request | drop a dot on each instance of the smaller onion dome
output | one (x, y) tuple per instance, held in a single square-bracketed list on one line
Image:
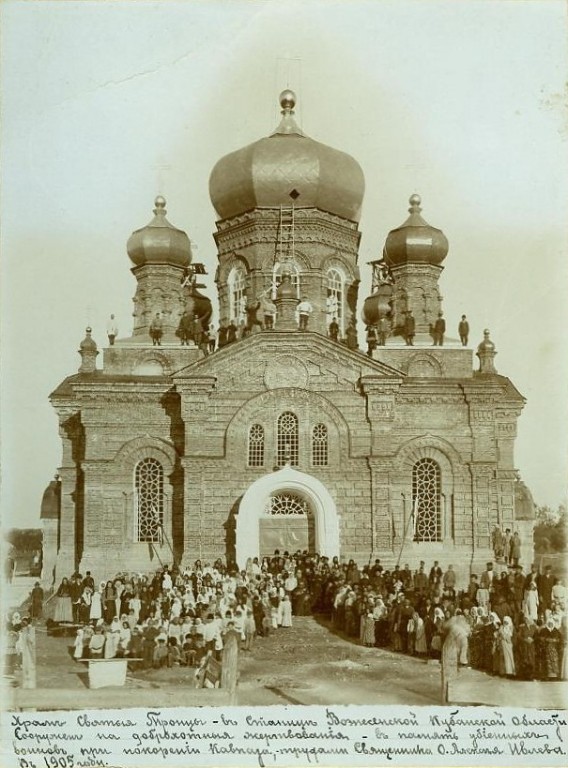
[(415, 241), (486, 345), (159, 242), (486, 353), (88, 350), (88, 344)]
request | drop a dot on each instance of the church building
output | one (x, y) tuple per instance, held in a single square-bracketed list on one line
[(288, 437)]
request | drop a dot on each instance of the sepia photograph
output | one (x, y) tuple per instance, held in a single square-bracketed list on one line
[(283, 396)]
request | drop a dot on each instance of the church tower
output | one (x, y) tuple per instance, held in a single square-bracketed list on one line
[(414, 252), (161, 254), (288, 203)]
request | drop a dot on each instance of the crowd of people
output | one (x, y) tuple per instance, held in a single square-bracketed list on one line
[(512, 623)]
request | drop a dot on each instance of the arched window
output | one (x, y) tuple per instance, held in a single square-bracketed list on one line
[(319, 446), (237, 285), (334, 300), (149, 500), (426, 500), (256, 446), (277, 277), (287, 441)]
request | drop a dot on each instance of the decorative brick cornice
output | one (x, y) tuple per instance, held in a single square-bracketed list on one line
[(194, 385), (121, 392)]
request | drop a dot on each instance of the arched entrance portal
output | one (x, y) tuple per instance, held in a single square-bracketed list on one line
[(287, 525), (289, 510)]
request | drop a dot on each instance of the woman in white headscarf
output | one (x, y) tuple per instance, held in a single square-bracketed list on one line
[(504, 648)]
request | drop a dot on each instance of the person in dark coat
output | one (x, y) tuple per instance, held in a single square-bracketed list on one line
[(515, 549), (156, 330), (185, 329), (544, 584), (463, 330), (36, 609), (351, 337), (409, 329), (525, 649), (222, 336), (439, 330), (109, 604), (88, 581), (333, 330), (231, 333)]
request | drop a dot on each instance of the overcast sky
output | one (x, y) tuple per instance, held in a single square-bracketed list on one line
[(105, 105)]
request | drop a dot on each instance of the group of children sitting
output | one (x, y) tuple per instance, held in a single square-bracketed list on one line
[(161, 642)]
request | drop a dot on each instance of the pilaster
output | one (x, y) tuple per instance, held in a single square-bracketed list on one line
[(381, 519)]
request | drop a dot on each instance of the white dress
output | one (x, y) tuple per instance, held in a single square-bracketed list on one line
[(286, 608), (96, 611), (530, 605)]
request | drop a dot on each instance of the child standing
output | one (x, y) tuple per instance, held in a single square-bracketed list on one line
[(174, 655), (160, 658), (249, 630)]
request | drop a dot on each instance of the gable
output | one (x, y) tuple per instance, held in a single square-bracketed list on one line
[(272, 360)]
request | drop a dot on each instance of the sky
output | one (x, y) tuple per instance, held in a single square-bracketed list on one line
[(106, 105)]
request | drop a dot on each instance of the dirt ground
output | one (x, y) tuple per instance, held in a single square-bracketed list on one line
[(305, 664)]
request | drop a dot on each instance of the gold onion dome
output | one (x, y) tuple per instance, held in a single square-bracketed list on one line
[(415, 241), (284, 167), (159, 242)]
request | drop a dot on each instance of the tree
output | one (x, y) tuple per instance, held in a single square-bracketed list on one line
[(25, 539), (550, 531)]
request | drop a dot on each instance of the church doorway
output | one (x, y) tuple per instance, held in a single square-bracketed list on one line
[(286, 510), (287, 525)]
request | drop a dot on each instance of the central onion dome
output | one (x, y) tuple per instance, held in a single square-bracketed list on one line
[(415, 241), (284, 167), (159, 242)]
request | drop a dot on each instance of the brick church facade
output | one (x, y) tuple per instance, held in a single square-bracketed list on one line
[(284, 439)]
